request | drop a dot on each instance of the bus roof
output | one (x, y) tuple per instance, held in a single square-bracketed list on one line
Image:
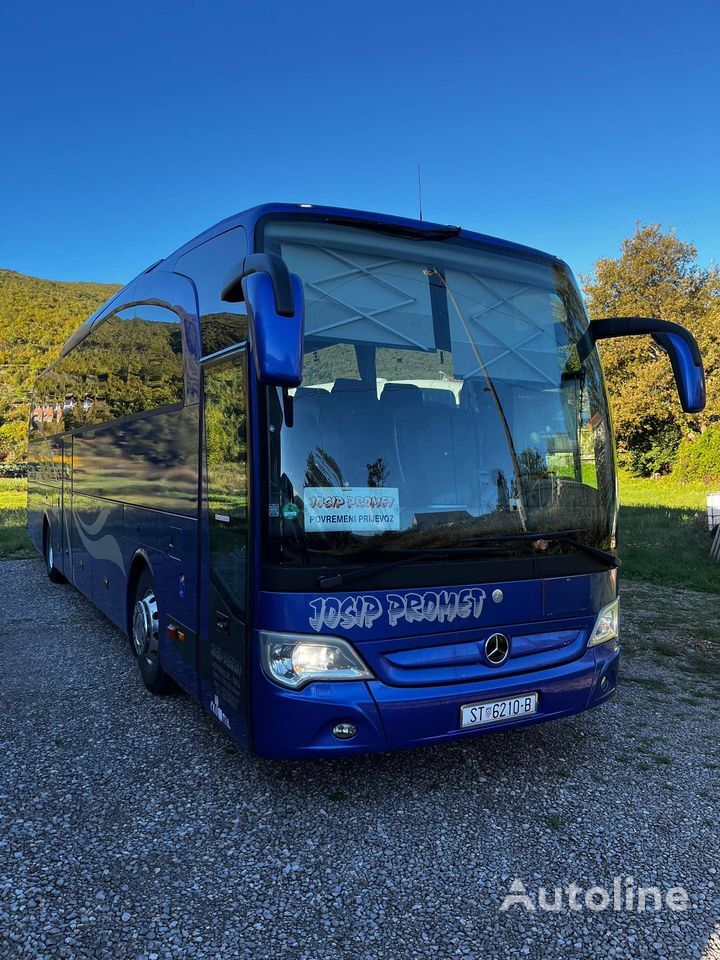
[(249, 219)]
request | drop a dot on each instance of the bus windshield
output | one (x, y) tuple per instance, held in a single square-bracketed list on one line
[(443, 399)]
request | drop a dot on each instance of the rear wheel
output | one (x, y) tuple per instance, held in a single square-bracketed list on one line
[(52, 571), (145, 636)]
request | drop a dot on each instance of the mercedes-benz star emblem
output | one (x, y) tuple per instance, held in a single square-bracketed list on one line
[(497, 648)]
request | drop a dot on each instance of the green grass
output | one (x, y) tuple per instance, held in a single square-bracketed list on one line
[(14, 540), (661, 491), (662, 533)]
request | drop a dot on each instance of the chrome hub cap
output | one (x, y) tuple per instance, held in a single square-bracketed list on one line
[(145, 627)]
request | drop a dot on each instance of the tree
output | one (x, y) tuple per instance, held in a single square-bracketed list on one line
[(656, 275)]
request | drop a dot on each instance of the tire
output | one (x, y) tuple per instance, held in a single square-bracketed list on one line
[(145, 635), (52, 571)]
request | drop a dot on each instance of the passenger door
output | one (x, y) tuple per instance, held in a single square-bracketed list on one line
[(222, 656)]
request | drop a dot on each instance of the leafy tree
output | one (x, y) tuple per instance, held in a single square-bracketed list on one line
[(699, 459), (657, 275)]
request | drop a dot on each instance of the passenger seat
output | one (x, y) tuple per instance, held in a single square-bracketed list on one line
[(435, 451)]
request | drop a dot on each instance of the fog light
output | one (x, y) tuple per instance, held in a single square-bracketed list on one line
[(604, 683), (344, 731)]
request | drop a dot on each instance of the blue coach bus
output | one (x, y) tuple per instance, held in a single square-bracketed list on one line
[(348, 479)]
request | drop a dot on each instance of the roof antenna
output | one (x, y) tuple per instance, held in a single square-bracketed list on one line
[(420, 191)]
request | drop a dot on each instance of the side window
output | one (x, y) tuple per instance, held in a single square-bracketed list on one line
[(152, 357), (100, 373), (131, 362), (221, 324)]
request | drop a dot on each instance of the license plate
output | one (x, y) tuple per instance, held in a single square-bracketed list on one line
[(495, 711)]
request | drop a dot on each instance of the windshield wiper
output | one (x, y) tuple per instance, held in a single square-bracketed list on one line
[(566, 537)]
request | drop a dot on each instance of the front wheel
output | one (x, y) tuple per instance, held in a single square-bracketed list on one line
[(145, 637)]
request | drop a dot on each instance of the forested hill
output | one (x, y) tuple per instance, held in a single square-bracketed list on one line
[(36, 316)]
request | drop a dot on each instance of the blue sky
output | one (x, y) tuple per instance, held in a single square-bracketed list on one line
[(128, 128)]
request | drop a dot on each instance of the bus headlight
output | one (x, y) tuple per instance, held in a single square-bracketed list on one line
[(606, 625), (294, 659)]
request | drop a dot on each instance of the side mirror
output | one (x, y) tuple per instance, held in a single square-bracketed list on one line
[(275, 305), (678, 343)]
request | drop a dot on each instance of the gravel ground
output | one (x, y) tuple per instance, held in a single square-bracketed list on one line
[(131, 827)]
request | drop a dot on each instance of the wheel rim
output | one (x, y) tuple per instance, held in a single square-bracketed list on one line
[(145, 627), (50, 557)]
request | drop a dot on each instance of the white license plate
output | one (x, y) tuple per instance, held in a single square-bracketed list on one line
[(495, 711)]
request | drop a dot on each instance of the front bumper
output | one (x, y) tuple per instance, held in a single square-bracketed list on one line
[(290, 724)]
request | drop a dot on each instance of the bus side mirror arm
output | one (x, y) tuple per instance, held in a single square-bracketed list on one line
[(276, 316), (676, 340)]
